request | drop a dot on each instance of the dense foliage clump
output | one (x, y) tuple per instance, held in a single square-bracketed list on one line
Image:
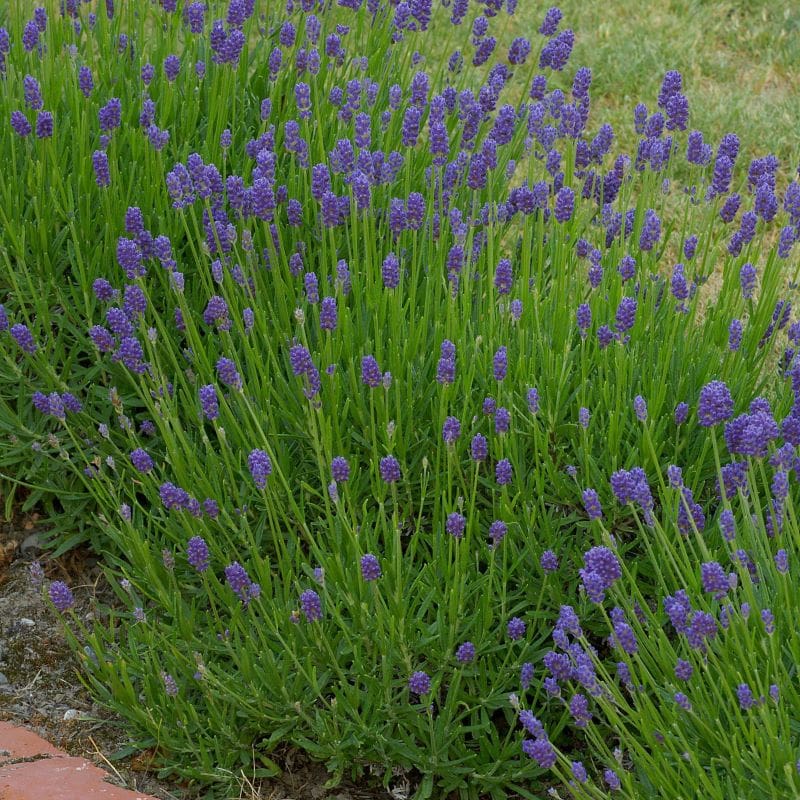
[(420, 428)]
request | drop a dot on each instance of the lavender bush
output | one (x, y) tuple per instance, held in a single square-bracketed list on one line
[(421, 428)]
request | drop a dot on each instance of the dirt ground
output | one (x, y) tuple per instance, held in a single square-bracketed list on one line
[(40, 687)]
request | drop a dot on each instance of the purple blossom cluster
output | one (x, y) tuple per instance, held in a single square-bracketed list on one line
[(239, 581), (631, 486), (601, 570), (56, 405)]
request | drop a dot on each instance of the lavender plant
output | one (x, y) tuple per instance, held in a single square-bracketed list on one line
[(368, 370)]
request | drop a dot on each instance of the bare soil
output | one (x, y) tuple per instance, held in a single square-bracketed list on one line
[(40, 687)]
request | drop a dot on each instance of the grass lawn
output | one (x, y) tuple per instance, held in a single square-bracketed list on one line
[(740, 62)]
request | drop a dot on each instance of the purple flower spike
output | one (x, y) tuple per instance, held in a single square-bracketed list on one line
[(503, 472), (584, 319), (61, 596), (260, 466), (626, 314), (197, 553), (102, 176), (548, 561), (745, 696), (541, 751), (479, 448), (390, 469), (209, 402), (370, 372), (603, 562), (551, 20), (33, 93), (419, 683), (564, 204), (455, 525), (683, 670), (370, 567), (110, 115), (311, 605), (20, 124), (328, 315), (503, 276), (226, 369), (515, 629), (451, 430), (612, 780), (715, 405), (497, 532), (340, 469), (44, 125), (500, 363), (141, 460), (23, 337), (390, 271), (591, 503), (714, 579), (651, 231), (627, 268), (465, 653)]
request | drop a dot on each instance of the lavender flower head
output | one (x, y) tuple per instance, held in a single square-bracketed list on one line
[(455, 524), (715, 405), (551, 21), (564, 204), (500, 363), (20, 124), (370, 567), (626, 314), (714, 579), (651, 230), (603, 562), (515, 629), (61, 596), (541, 751), (141, 460), (370, 372), (209, 402), (497, 532), (197, 553), (23, 337), (584, 318), (451, 430), (311, 605), (503, 472), (479, 448), (591, 503), (465, 654), (260, 466), (419, 683), (548, 561), (228, 374), (340, 469), (390, 469)]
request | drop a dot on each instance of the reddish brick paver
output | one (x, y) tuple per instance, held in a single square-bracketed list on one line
[(32, 769), (16, 743)]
